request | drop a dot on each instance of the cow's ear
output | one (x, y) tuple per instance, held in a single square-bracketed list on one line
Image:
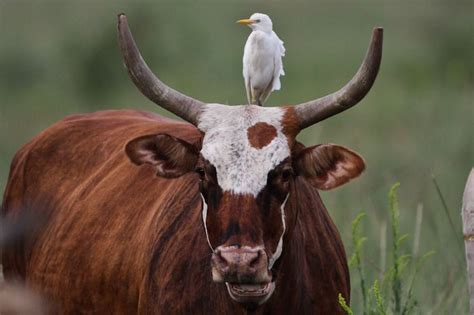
[(328, 166), (170, 156)]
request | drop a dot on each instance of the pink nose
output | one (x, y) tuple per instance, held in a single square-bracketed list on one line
[(243, 264)]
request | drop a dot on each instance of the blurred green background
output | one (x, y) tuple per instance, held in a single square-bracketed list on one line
[(60, 57)]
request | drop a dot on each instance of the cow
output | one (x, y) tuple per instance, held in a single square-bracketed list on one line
[(216, 215)]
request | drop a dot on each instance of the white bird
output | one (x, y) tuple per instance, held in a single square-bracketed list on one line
[(262, 64)]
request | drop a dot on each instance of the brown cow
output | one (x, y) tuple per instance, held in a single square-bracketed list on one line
[(233, 222)]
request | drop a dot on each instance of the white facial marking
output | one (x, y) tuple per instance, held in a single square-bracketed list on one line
[(204, 218), (279, 249), (241, 168)]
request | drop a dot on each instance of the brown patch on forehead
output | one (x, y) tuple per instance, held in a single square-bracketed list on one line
[(261, 134)]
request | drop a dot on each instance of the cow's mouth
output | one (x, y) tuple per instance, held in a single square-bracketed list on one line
[(255, 293)]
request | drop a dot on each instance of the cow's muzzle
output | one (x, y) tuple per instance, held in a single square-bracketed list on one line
[(245, 272)]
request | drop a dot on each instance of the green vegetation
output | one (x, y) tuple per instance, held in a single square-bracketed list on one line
[(60, 57), (395, 296), (344, 305)]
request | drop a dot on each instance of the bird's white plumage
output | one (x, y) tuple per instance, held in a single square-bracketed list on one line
[(262, 61)]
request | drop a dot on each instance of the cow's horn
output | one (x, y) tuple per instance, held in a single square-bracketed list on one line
[(183, 106), (314, 111)]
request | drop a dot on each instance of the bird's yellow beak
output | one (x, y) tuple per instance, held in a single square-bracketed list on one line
[(245, 21)]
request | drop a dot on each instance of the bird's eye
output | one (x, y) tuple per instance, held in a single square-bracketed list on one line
[(258, 20), (200, 171), (286, 174)]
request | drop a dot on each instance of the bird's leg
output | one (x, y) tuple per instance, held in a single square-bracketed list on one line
[(254, 96), (259, 102)]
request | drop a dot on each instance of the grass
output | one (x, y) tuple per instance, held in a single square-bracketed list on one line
[(395, 295)]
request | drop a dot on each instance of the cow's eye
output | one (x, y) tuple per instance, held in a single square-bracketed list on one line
[(200, 171), (286, 174)]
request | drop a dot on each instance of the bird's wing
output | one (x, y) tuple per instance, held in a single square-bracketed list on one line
[(266, 92), (277, 62), (282, 47)]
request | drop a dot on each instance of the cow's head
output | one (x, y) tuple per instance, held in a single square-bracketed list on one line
[(247, 165)]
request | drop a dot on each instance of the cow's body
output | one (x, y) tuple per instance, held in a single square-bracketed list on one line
[(120, 240)]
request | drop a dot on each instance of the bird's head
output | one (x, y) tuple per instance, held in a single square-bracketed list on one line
[(258, 22)]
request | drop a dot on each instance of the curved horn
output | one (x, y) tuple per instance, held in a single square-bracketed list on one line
[(183, 106), (314, 111)]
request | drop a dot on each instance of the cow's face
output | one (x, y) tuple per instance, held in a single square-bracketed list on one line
[(246, 166)]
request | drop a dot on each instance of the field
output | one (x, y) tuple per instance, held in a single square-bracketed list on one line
[(61, 57)]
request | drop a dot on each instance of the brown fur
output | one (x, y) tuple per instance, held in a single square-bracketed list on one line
[(291, 124), (261, 134), (120, 240)]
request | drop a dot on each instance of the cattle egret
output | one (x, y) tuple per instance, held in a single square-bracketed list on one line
[(262, 59)]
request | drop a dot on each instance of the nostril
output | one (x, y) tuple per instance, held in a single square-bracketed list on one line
[(255, 260), (219, 259)]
